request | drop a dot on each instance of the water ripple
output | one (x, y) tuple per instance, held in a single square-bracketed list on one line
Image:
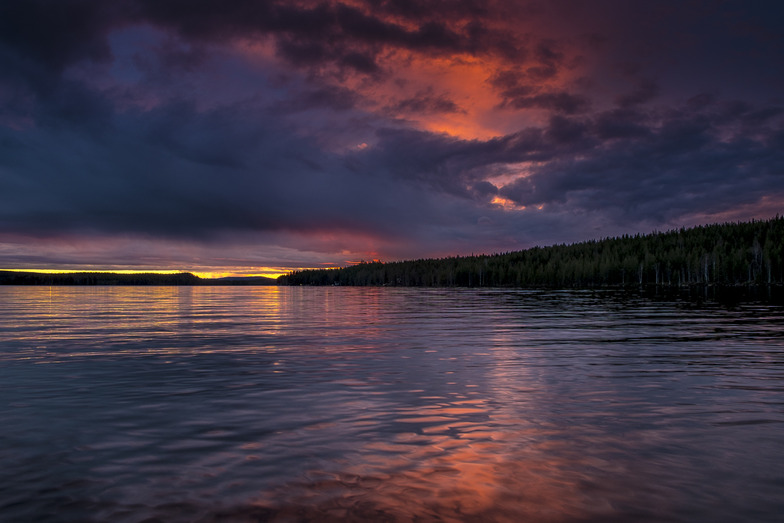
[(336, 404)]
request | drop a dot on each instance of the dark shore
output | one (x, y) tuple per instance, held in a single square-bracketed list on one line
[(109, 278)]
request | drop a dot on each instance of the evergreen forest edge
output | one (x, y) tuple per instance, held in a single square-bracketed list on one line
[(728, 254)]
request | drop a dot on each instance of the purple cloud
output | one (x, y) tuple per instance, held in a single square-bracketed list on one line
[(334, 129)]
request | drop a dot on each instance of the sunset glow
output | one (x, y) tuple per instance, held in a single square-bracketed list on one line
[(505, 203), (266, 272)]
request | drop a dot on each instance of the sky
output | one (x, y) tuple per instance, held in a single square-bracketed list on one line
[(255, 137)]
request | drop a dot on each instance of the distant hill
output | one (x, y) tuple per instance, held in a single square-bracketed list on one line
[(729, 254), (239, 280), (106, 278)]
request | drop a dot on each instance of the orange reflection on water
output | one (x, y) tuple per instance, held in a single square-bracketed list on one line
[(450, 470), (115, 320)]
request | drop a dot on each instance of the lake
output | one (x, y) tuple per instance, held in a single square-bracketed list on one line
[(207, 404)]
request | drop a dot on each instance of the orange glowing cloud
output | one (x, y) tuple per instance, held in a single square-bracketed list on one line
[(506, 203), (472, 93)]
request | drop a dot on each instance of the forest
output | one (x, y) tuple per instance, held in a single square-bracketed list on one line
[(728, 254)]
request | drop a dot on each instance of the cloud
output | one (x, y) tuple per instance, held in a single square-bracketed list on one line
[(57, 34), (394, 127), (527, 90), (426, 102), (345, 35), (325, 97), (660, 171), (645, 91)]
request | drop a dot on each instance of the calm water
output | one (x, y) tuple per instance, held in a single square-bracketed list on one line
[(329, 404)]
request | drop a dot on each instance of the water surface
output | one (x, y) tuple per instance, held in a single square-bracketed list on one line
[(331, 404)]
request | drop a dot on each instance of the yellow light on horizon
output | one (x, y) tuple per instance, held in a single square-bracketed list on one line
[(243, 272)]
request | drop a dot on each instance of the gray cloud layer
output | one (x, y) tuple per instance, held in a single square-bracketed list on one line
[(135, 118)]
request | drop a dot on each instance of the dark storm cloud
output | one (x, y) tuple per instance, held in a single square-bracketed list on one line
[(633, 167), (621, 123), (426, 102), (183, 138), (173, 57), (39, 40), (645, 91), (524, 90), (329, 97), (56, 34), (175, 171), (417, 10), (318, 33), (667, 166), (558, 101)]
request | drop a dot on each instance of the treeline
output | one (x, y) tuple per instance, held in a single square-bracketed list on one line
[(747, 253), (96, 278), (105, 278)]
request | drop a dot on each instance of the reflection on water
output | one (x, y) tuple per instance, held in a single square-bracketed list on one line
[(333, 404)]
